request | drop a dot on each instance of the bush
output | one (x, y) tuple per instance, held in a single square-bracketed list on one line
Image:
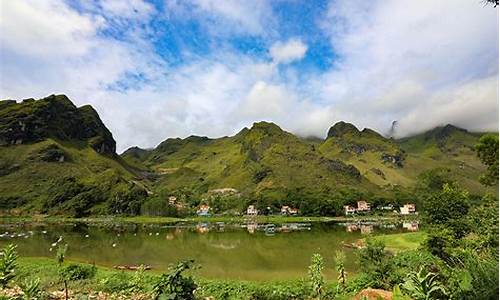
[(78, 272), (175, 285)]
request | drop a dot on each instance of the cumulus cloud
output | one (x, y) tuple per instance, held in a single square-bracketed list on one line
[(420, 62), (287, 52), (402, 60)]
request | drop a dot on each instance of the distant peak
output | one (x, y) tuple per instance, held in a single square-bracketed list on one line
[(265, 124), (341, 128)]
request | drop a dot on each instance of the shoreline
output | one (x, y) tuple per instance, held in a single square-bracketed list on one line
[(226, 219)]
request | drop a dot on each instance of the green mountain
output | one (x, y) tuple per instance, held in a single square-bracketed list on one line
[(59, 158), (56, 157)]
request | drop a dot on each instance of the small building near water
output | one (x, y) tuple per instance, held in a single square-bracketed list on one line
[(349, 210), (407, 209), (252, 210), (363, 206), (287, 210), (203, 210)]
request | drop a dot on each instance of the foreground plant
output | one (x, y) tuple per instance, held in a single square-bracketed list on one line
[(316, 276), (423, 285), (31, 289), (342, 277), (8, 264), (174, 285)]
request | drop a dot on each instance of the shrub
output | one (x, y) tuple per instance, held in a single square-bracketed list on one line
[(78, 272), (175, 285)]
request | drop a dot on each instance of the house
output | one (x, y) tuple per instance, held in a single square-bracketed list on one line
[(363, 206), (407, 209), (410, 226), (252, 210), (172, 200), (284, 210), (203, 210), (349, 210), (287, 210)]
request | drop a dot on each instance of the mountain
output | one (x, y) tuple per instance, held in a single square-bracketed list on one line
[(56, 157), (59, 158)]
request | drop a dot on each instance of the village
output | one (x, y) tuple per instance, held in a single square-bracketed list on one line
[(361, 207)]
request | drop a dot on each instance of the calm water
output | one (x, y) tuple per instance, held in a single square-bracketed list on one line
[(245, 251)]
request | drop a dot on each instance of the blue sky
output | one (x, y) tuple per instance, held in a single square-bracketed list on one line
[(163, 68)]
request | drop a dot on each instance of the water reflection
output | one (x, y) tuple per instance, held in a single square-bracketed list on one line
[(249, 251)]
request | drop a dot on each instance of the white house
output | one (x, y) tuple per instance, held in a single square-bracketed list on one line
[(407, 209), (349, 210), (252, 210)]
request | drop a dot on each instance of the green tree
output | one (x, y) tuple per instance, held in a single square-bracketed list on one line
[(487, 151), (448, 207)]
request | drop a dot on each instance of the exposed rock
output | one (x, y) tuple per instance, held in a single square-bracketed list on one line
[(378, 172), (396, 159), (335, 165), (373, 294)]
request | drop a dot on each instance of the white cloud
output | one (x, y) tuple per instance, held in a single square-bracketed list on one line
[(289, 51), (420, 62), (223, 17), (402, 60)]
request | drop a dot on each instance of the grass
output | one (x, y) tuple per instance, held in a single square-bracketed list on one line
[(402, 241), (126, 283)]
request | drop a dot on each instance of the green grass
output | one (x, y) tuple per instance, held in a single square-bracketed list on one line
[(402, 241)]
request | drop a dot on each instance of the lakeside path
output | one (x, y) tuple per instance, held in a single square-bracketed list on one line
[(225, 219)]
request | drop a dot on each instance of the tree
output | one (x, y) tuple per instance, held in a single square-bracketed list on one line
[(487, 151), (447, 208)]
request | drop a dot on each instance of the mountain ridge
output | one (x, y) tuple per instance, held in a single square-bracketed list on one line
[(50, 147)]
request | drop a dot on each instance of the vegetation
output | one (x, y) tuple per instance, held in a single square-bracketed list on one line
[(8, 265), (51, 166)]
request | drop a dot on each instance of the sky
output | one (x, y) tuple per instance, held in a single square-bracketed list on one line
[(174, 68)]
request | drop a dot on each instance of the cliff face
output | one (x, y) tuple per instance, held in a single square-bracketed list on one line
[(53, 117)]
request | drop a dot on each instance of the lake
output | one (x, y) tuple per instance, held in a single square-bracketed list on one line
[(227, 251)]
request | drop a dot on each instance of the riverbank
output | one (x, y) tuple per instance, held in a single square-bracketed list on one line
[(197, 219), (109, 283)]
